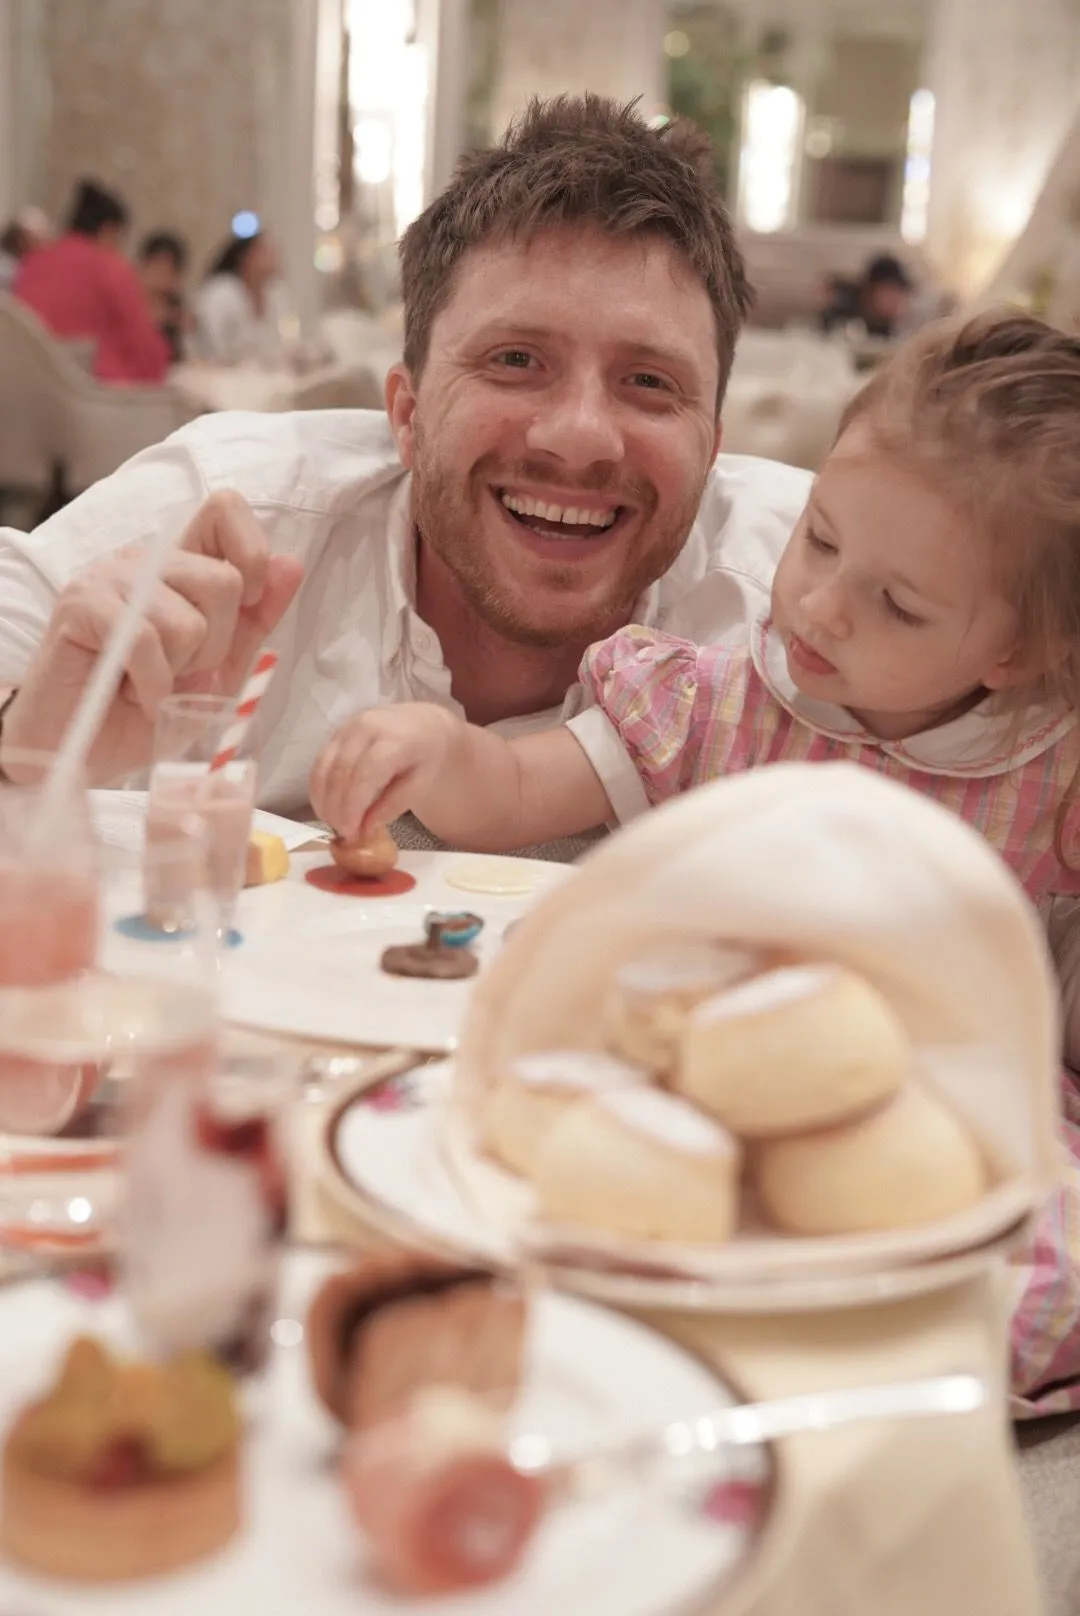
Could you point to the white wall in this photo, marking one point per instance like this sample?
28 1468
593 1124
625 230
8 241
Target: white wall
1006 74
614 47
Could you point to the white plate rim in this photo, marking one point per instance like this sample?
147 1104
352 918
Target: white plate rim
731 1578
358 1020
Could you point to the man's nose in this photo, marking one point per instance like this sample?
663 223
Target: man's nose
576 424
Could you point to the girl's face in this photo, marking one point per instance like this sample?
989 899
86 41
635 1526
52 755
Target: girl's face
886 600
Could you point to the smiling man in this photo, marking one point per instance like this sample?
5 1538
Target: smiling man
546 471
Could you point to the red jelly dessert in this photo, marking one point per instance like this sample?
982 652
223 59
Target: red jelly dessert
440 1504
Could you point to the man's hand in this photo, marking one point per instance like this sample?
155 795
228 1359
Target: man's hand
220 594
381 763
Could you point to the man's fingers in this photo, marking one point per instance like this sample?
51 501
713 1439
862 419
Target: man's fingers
284 575
147 671
227 528
214 589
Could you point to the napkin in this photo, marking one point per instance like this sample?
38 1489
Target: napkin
832 861
120 821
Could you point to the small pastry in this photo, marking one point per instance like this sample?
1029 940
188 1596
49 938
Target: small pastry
122 1471
525 1103
908 1163
639 1162
444 955
792 1049
267 859
373 855
651 995
401 1321
437 1498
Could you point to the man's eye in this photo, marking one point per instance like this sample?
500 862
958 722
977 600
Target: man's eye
514 359
648 380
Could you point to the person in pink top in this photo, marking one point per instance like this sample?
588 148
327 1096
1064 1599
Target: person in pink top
923 620
82 287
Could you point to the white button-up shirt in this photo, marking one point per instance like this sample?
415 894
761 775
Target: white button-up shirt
329 488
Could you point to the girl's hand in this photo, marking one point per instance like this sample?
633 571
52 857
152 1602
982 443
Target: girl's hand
380 764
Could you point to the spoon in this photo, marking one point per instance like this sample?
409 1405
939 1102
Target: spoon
646 1453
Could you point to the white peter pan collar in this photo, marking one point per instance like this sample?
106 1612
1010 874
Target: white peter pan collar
980 743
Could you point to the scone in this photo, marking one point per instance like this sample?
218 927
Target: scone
122 1471
524 1103
908 1163
642 1163
651 994
794 1048
401 1321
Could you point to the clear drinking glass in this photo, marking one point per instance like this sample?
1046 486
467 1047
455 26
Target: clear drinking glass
75 1049
207 1206
48 936
187 737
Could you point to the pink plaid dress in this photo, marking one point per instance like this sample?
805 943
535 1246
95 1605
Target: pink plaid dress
667 715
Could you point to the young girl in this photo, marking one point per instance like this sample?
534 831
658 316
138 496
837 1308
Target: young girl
924 620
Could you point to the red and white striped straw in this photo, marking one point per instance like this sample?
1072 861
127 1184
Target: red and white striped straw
246 708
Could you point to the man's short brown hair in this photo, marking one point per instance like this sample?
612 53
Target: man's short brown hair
579 159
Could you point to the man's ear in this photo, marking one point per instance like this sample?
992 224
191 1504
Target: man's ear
401 407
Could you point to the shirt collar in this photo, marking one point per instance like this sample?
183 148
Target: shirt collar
980 743
401 569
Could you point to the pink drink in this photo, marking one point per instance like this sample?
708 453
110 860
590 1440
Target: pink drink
48 938
48 922
223 802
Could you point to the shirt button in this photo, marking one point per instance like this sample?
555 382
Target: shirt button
426 642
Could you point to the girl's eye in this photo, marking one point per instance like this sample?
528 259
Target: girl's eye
816 542
900 614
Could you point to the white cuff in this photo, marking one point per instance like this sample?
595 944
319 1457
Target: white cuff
602 745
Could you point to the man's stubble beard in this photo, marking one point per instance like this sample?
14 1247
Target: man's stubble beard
441 522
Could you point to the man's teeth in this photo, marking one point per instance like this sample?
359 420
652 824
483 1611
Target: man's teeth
574 514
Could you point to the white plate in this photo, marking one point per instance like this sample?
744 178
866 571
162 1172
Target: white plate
308 965
385 1158
589 1374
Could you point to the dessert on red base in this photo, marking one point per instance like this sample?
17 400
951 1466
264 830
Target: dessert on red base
373 855
332 878
122 1470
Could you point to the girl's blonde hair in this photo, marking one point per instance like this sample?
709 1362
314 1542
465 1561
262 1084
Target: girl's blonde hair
988 409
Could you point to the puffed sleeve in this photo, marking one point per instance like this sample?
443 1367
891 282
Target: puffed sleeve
647 718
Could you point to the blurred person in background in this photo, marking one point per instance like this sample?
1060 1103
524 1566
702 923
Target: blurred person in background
241 306
83 289
162 262
28 231
880 299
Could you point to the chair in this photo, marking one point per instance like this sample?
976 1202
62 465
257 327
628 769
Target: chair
57 423
352 389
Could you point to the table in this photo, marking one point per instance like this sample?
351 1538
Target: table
209 388
917 1519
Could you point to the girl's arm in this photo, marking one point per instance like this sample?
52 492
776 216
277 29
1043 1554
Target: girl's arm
470 787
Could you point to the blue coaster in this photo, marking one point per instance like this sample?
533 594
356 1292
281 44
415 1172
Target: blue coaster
140 930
